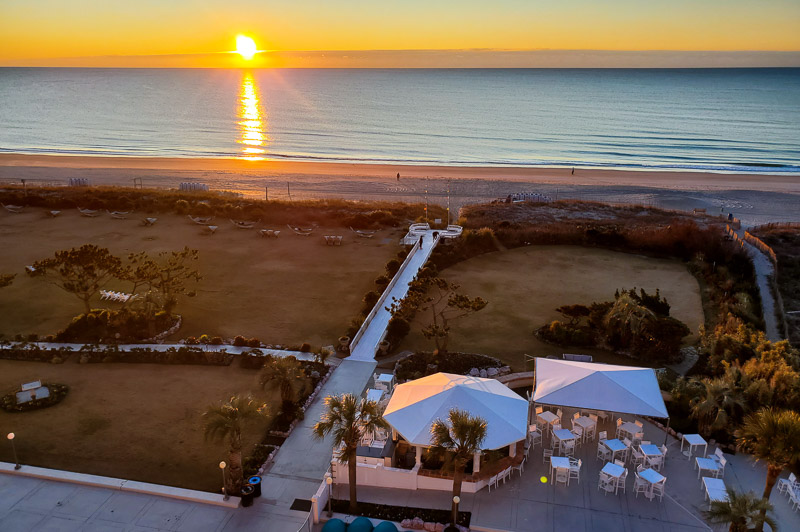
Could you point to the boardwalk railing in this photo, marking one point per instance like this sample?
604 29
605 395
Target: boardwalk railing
382 299
762 246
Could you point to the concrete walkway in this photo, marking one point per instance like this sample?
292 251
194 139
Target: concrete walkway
229 349
368 343
764 270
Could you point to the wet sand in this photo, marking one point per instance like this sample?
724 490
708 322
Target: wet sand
754 198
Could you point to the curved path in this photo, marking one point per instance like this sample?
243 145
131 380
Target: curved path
764 270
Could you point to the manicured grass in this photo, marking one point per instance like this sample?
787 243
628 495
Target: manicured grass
134 421
525 285
288 290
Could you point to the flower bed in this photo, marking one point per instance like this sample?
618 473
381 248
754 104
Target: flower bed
57 393
400 513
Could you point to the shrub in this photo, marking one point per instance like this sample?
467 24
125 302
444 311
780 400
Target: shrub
381 281
181 206
240 341
305 348
216 340
254 342
371 298
392 267
397 329
422 364
121 325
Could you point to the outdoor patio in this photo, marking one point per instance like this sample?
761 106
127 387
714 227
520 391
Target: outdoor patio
531 501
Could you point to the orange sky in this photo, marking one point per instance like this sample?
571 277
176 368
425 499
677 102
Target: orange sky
194 33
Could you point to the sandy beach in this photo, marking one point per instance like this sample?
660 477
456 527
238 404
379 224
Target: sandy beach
754 198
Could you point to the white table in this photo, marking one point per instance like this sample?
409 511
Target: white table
652 477
706 464
585 423
616 446
558 462
613 470
715 489
694 440
374 395
562 435
548 419
630 429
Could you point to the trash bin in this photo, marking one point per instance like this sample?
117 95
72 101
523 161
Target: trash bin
255 481
247 495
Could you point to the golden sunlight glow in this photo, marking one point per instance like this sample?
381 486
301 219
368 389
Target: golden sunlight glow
246 47
252 120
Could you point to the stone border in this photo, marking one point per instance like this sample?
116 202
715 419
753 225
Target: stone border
120 484
160 336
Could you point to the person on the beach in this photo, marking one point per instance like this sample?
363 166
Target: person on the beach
398 176
573 170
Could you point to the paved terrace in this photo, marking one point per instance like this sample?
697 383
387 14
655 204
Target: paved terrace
524 503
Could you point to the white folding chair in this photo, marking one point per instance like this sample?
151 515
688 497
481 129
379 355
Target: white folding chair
784 485
658 488
575 469
493 482
520 467
547 454
603 436
562 475
622 480
603 452
640 485
606 483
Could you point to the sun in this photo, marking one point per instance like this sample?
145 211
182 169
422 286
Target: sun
246 47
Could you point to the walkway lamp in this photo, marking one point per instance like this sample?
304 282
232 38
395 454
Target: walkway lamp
14 450
329 482
456 500
222 466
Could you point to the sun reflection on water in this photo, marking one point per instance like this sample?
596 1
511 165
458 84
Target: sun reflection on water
252 123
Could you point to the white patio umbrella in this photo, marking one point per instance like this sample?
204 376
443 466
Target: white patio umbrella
415 405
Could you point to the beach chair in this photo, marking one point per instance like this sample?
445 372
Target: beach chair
210 229
243 224
118 215
53 214
200 220
148 222
363 233
13 209
89 213
606 484
268 233
301 231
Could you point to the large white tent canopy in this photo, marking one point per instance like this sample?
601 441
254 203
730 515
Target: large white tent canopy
624 389
415 405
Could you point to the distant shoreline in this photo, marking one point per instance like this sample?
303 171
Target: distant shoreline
754 197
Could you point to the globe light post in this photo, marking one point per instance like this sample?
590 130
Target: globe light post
456 500
14 450
222 466
329 482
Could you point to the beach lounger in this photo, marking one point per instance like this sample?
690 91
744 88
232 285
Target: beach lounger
244 225
14 209
269 233
210 229
53 214
363 233
300 231
147 222
119 215
201 220
89 213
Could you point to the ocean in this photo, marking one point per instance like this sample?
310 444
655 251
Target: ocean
727 120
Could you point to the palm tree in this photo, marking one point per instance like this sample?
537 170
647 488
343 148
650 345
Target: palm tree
224 421
286 374
462 435
349 418
742 511
773 436
719 401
